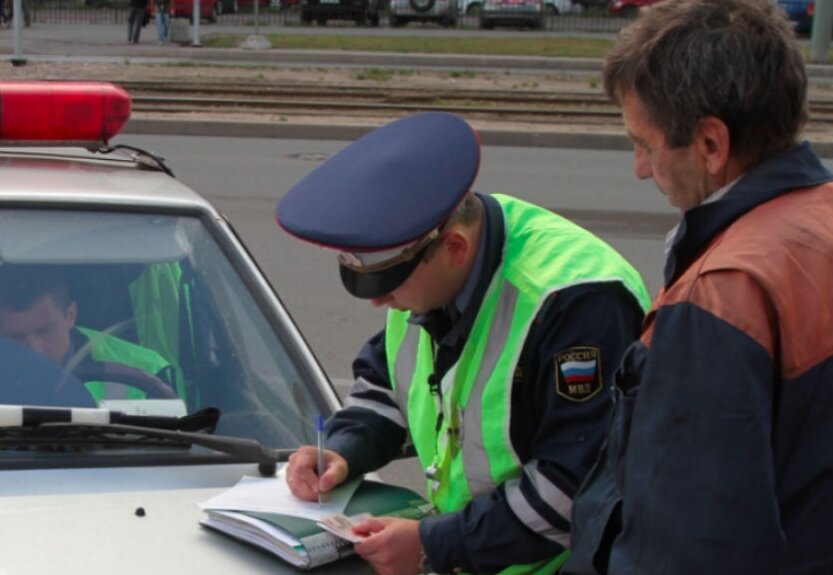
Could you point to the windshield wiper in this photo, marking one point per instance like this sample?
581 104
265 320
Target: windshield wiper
39 427
34 415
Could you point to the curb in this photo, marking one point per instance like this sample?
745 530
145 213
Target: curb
488 137
289 130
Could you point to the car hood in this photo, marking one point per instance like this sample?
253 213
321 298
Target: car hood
125 521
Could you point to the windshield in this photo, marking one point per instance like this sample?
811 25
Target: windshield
148 314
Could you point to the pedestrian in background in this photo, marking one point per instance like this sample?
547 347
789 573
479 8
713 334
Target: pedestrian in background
136 19
4 17
162 10
720 458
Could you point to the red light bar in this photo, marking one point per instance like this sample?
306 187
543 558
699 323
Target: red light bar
62 111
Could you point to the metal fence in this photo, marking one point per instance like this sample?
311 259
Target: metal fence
595 20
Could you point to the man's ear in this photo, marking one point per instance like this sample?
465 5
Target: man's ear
72 313
714 144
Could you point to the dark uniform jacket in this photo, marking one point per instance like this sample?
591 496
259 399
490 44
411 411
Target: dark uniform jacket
722 441
564 436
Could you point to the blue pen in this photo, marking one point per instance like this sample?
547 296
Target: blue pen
320 470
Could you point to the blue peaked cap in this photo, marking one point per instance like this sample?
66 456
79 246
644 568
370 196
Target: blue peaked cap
384 193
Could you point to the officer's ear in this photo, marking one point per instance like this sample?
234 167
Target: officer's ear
457 245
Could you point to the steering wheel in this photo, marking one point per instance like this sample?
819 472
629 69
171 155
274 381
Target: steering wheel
109 372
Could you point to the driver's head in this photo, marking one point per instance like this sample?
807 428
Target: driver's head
36 310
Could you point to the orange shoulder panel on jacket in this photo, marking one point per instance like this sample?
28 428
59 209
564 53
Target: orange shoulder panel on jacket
770 274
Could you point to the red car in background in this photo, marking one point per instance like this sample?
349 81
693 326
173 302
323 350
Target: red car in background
628 8
211 9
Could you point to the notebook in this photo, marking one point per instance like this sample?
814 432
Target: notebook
300 541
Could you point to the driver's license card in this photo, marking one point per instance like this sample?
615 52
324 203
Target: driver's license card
341 525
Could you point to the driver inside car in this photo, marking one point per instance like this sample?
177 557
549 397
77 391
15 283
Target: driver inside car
38 312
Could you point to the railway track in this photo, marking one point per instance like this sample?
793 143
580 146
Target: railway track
530 106
310 100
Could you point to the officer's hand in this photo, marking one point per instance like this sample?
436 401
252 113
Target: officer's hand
391 545
301 475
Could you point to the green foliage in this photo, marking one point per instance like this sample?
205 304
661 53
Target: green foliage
381 74
506 46
462 74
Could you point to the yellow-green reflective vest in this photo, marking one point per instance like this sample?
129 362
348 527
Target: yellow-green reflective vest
543 253
105 347
159 295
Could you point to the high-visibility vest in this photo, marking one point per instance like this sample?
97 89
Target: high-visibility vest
471 452
161 311
105 347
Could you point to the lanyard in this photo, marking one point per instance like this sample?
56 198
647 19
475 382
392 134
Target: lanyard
435 472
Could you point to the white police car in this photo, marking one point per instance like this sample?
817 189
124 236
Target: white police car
167 371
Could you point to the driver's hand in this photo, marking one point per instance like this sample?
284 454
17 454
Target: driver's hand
302 476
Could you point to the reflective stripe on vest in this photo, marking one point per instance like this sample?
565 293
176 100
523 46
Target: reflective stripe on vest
472 451
159 296
105 347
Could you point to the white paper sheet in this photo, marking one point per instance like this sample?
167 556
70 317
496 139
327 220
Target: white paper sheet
272 495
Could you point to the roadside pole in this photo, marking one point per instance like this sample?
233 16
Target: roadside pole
822 29
196 16
17 22
256 41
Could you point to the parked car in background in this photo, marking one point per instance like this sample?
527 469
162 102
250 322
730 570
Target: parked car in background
473 8
800 13
560 7
528 13
629 8
112 481
209 9
362 12
283 5
581 5
443 12
235 6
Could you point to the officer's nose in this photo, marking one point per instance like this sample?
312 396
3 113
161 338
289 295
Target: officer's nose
381 300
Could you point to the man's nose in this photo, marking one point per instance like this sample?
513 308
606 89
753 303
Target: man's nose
33 342
641 164
381 300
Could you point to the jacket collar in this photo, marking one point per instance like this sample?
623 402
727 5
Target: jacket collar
796 167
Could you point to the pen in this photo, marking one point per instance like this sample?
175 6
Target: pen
320 470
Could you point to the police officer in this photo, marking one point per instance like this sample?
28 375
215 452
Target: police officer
37 311
505 322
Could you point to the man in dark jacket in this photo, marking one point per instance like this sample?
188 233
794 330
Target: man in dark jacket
719 459
137 17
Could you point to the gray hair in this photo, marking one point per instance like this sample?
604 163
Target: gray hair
736 60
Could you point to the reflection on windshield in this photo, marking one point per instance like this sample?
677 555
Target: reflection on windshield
142 313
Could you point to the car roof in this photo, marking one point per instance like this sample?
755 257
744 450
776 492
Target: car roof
76 177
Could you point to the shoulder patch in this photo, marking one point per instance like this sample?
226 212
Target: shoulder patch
578 373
